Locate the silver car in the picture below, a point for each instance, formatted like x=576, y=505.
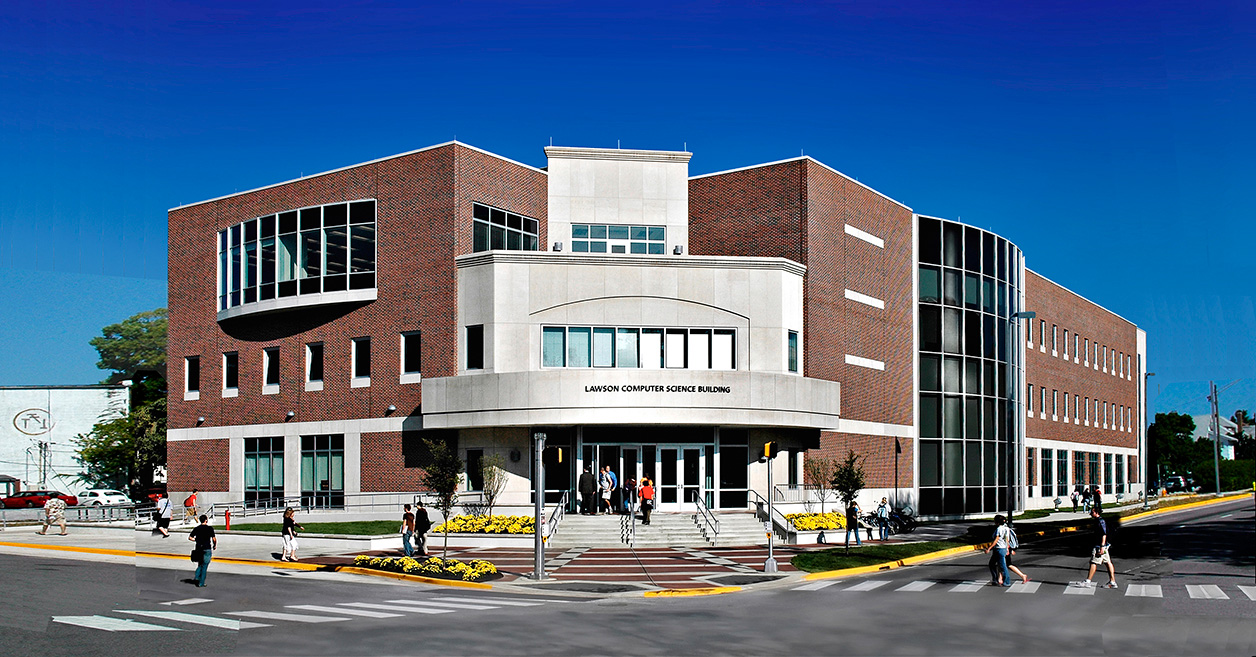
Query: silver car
x=102, y=497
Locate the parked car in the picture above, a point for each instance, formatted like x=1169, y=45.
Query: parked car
x=148, y=495
x=36, y=498
x=102, y=497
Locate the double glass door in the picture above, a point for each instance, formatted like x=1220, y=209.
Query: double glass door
x=678, y=471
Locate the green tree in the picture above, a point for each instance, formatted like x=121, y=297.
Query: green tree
x=848, y=478
x=1171, y=446
x=440, y=475
x=1244, y=444
x=124, y=452
x=136, y=343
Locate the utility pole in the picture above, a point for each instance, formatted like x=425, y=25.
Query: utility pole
x=1213, y=396
x=1142, y=449
x=538, y=484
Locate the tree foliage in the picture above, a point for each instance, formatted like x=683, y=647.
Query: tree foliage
x=848, y=478
x=136, y=343
x=818, y=473
x=124, y=452
x=441, y=476
x=1171, y=446
x=1244, y=442
x=493, y=474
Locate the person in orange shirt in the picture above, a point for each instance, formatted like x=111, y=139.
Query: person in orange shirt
x=646, y=493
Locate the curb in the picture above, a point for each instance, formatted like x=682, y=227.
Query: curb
x=942, y=554
x=71, y=548
x=354, y=570
x=683, y=593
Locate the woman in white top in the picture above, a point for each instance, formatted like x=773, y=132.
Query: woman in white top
x=999, y=576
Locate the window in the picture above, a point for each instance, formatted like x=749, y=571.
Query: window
x=1064, y=349
x=323, y=471
x=610, y=238
x=326, y=248
x=475, y=347
x=314, y=366
x=1086, y=350
x=1107, y=474
x=270, y=371
x=1105, y=358
x=263, y=470
x=1066, y=407
x=361, y=357
x=411, y=357
x=1119, y=470
x=1055, y=334
x=1076, y=342
x=1042, y=333
x=192, y=378
x=793, y=351
x=644, y=348
x=1029, y=401
x=496, y=229
x=230, y=374
x=1061, y=472
x=1048, y=479
x=1042, y=402
x=1031, y=472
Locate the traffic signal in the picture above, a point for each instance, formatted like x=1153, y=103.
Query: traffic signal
x=769, y=450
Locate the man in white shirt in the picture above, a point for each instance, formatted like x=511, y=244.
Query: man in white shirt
x=164, y=512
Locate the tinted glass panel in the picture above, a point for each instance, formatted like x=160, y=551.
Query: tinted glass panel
x=930, y=241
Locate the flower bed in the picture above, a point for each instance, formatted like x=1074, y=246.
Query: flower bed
x=809, y=522
x=476, y=570
x=486, y=525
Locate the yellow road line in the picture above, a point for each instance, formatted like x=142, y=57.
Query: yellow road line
x=682, y=593
x=72, y=548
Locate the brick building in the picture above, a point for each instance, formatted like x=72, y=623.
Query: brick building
x=641, y=318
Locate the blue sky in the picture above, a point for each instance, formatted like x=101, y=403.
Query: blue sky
x=1110, y=142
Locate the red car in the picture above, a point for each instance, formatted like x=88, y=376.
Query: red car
x=36, y=498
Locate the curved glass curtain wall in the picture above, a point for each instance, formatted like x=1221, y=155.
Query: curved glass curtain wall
x=970, y=285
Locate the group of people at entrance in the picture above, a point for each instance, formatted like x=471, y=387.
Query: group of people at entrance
x=604, y=494
x=1005, y=544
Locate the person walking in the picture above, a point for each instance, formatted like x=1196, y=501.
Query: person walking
x=54, y=514
x=883, y=518
x=422, y=523
x=616, y=502
x=1097, y=496
x=999, y=575
x=604, y=484
x=630, y=495
x=164, y=511
x=1100, y=554
x=1086, y=499
x=407, y=531
x=588, y=491
x=290, y=535
x=647, y=499
x=1075, y=499
x=852, y=523
x=189, y=507
x=206, y=543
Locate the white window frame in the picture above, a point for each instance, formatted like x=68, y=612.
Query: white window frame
x=1055, y=340
x=1064, y=349
x=269, y=388
x=1055, y=405
x=356, y=381
x=233, y=391
x=314, y=385
x=1029, y=401
x=1066, y=408
x=191, y=395
x=409, y=377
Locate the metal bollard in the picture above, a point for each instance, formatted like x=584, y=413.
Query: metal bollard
x=228, y=527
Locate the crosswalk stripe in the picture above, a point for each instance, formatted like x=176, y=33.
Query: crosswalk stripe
x=815, y=586
x=188, y=601
x=1144, y=591
x=1079, y=588
x=1249, y=591
x=340, y=610
x=1206, y=592
x=915, y=586
x=868, y=585
x=296, y=618
x=195, y=619
x=451, y=605
x=405, y=608
x=967, y=587
x=1024, y=587
x=496, y=601
x=110, y=624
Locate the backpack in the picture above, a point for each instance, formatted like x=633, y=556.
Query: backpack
x=190, y=501
x=1012, y=542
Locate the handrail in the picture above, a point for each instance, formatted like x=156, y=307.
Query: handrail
x=708, y=519
x=560, y=512
x=778, y=518
x=628, y=528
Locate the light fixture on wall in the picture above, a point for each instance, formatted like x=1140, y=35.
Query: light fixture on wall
x=558, y=246
x=678, y=250
x=200, y=421
x=392, y=409
x=515, y=456
x=291, y=414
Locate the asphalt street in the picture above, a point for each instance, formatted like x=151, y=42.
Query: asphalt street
x=1185, y=580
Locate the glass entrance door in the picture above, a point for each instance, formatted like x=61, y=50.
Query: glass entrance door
x=681, y=471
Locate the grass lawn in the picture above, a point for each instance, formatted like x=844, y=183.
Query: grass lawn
x=837, y=558
x=360, y=528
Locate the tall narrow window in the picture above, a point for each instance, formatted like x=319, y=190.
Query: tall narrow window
x=270, y=371
x=230, y=373
x=1066, y=407
x=793, y=351
x=675, y=348
x=1055, y=332
x=1029, y=400
x=723, y=350
x=1064, y=350
x=553, y=346
x=1042, y=333
x=475, y=347
x=411, y=357
x=652, y=348
x=1055, y=396
x=361, y=358
x=314, y=366
x=192, y=378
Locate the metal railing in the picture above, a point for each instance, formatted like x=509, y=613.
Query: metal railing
x=346, y=502
x=778, y=518
x=555, y=517
x=113, y=513
x=706, y=521
x=628, y=529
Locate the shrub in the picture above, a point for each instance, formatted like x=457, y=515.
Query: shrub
x=487, y=525
x=809, y=522
x=472, y=571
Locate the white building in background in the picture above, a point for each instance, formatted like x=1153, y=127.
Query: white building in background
x=48, y=419
x=1203, y=431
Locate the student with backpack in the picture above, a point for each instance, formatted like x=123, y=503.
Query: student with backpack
x=1003, y=537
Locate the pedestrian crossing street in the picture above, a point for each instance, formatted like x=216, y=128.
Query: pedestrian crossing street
x=147, y=620
x=1194, y=591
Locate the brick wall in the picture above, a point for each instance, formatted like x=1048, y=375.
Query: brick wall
x=1066, y=310
x=383, y=465
x=200, y=464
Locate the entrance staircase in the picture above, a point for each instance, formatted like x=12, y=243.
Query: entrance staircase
x=664, y=530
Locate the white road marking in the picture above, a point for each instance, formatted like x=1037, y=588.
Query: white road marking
x=1206, y=592
x=412, y=610
x=1144, y=591
x=1249, y=591
x=195, y=619
x=1024, y=587
x=1079, y=588
x=868, y=585
x=451, y=605
x=815, y=586
x=967, y=587
x=915, y=586
x=296, y=618
x=495, y=601
x=109, y=624
x=1226, y=515
x=341, y=610
x=188, y=601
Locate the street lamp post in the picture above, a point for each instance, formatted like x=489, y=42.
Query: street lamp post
x=1142, y=450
